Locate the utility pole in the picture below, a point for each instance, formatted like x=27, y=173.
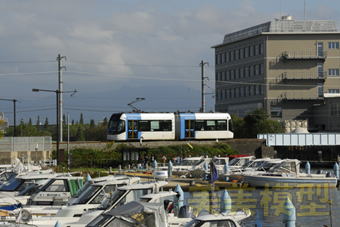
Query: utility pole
x=14, y=117
x=60, y=94
x=202, y=85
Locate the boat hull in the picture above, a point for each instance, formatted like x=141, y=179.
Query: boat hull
x=289, y=182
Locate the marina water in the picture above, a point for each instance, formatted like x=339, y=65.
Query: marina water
x=317, y=206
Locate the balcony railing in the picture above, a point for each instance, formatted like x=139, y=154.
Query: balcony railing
x=304, y=55
x=304, y=76
x=285, y=97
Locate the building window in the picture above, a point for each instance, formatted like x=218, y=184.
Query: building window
x=230, y=93
x=261, y=69
x=320, y=70
x=260, y=89
x=320, y=90
x=234, y=55
x=257, y=69
x=242, y=53
x=256, y=50
x=276, y=112
x=333, y=72
x=246, y=52
x=250, y=71
x=333, y=45
x=260, y=49
x=334, y=91
x=228, y=75
x=320, y=49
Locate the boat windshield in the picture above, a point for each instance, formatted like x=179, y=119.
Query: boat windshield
x=29, y=190
x=256, y=164
x=5, y=176
x=190, y=162
x=100, y=220
x=12, y=185
x=82, y=189
x=266, y=166
x=198, y=223
x=219, y=161
x=234, y=162
x=86, y=195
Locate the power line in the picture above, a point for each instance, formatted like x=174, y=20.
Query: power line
x=26, y=62
x=31, y=110
x=28, y=73
x=138, y=65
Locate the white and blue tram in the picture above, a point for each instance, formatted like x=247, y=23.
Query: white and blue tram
x=169, y=126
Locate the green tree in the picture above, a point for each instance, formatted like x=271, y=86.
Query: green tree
x=80, y=134
x=38, y=121
x=258, y=121
x=238, y=127
x=105, y=122
x=92, y=123
x=46, y=123
x=81, y=120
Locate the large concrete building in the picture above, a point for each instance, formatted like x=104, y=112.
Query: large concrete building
x=284, y=66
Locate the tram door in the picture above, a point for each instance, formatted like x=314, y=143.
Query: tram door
x=189, y=129
x=132, y=129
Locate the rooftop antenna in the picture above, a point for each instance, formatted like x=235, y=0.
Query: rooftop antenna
x=135, y=109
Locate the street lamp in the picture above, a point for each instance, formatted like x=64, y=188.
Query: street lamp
x=14, y=114
x=58, y=122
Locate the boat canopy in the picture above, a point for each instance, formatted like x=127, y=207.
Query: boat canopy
x=133, y=214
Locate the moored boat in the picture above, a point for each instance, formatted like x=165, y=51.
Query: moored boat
x=287, y=175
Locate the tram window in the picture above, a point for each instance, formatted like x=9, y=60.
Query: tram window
x=199, y=125
x=144, y=126
x=165, y=125
x=132, y=125
x=189, y=124
x=211, y=125
x=154, y=126
x=221, y=125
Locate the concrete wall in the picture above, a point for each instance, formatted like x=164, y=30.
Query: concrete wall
x=242, y=146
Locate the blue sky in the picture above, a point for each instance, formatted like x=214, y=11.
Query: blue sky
x=118, y=50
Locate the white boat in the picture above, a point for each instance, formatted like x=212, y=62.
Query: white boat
x=229, y=219
x=190, y=164
x=69, y=217
x=239, y=162
x=90, y=197
x=254, y=167
x=25, y=181
x=287, y=174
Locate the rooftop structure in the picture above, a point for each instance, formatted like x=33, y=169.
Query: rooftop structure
x=284, y=25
